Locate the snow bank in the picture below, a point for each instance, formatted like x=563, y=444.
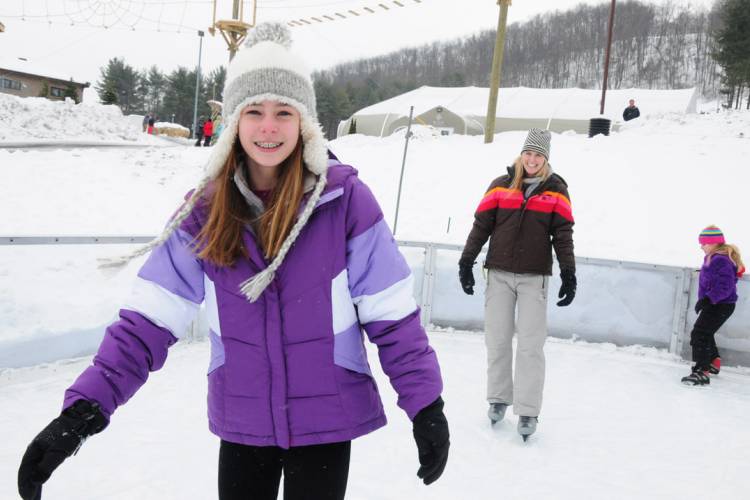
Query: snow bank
x=37, y=118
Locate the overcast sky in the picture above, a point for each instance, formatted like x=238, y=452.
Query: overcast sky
x=66, y=35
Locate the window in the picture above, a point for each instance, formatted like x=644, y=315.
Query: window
x=10, y=84
x=56, y=92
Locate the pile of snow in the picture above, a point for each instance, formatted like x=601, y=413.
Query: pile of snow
x=40, y=119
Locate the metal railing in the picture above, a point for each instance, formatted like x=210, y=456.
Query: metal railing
x=618, y=301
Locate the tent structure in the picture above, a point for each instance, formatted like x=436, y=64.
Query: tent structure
x=462, y=110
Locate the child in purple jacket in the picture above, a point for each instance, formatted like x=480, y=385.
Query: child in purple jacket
x=290, y=255
x=717, y=296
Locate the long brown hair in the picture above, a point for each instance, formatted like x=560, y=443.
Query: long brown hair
x=220, y=239
x=279, y=217
x=518, y=173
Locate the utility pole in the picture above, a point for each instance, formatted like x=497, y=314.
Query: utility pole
x=233, y=30
x=197, y=86
x=606, y=55
x=497, y=64
x=403, y=165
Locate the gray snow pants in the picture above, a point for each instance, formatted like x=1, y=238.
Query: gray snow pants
x=505, y=293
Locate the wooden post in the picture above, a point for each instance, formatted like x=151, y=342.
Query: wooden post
x=606, y=56
x=497, y=63
x=234, y=30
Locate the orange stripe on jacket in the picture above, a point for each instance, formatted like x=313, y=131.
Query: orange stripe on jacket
x=500, y=197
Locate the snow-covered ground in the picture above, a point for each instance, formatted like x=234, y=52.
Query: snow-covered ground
x=616, y=422
x=616, y=425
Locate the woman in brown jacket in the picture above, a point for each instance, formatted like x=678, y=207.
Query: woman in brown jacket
x=524, y=214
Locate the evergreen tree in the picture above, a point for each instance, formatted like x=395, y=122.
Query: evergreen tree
x=155, y=88
x=327, y=113
x=179, y=97
x=215, y=84
x=122, y=79
x=45, y=90
x=107, y=95
x=70, y=91
x=733, y=47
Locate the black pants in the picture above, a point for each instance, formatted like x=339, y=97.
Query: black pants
x=317, y=472
x=702, y=338
x=207, y=140
x=200, y=139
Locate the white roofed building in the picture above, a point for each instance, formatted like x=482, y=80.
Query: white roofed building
x=462, y=110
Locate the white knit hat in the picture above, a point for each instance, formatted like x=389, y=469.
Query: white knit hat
x=265, y=69
x=538, y=140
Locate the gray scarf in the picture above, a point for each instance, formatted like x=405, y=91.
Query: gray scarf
x=531, y=183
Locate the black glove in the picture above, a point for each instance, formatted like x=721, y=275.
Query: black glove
x=568, y=287
x=59, y=440
x=701, y=304
x=466, y=276
x=430, y=429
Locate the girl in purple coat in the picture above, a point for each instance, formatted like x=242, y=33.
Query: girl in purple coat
x=289, y=252
x=717, y=296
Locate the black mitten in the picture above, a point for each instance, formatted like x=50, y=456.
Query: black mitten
x=466, y=276
x=59, y=440
x=430, y=429
x=701, y=304
x=568, y=287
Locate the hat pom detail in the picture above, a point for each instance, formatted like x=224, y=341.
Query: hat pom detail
x=270, y=32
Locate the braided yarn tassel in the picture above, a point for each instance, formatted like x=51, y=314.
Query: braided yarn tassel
x=253, y=287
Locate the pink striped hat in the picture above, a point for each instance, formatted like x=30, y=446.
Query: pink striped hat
x=711, y=235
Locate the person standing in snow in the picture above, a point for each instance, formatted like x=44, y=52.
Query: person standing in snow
x=289, y=252
x=631, y=112
x=208, y=132
x=199, y=131
x=524, y=214
x=717, y=296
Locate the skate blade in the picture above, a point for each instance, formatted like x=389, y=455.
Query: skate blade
x=525, y=437
x=688, y=383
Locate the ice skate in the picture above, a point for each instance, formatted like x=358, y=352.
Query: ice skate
x=496, y=412
x=527, y=426
x=696, y=377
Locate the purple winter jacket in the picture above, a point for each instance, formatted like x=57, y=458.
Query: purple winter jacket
x=718, y=279
x=291, y=368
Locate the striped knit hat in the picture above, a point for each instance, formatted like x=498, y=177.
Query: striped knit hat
x=539, y=141
x=711, y=235
x=265, y=69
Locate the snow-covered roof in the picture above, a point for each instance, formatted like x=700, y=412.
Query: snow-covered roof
x=524, y=102
x=23, y=65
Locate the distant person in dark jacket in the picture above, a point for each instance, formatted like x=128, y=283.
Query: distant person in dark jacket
x=208, y=132
x=631, y=112
x=199, y=131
